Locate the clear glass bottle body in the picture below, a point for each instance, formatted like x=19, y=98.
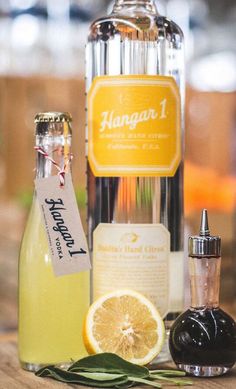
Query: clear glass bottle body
x=203, y=339
x=51, y=309
x=135, y=40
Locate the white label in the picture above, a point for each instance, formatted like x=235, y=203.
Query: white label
x=134, y=256
x=65, y=234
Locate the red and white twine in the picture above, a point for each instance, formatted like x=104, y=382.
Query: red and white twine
x=61, y=171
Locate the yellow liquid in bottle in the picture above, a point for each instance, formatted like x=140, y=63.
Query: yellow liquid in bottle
x=51, y=309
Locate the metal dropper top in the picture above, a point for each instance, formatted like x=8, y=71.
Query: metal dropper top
x=204, y=245
x=204, y=229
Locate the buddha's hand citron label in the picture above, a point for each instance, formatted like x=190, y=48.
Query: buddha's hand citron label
x=134, y=256
x=134, y=126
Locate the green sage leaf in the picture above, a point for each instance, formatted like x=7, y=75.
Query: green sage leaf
x=109, y=363
x=145, y=382
x=174, y=373
x=99, y=380
x=100, y=376
x=173, y=380
x=108, y=370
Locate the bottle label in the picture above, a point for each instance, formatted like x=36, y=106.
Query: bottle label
x=64, y=230
x=134, y=126
x=134, y=256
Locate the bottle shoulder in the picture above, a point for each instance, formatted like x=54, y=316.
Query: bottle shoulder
x=169, y=26
x=148, y=25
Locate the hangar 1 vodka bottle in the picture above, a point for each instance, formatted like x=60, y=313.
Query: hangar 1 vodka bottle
x=135, y=101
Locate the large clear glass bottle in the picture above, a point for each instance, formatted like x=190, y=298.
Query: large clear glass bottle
x=51, y=309
x=135, y=40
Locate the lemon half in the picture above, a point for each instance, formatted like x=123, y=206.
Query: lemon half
x=125, y=323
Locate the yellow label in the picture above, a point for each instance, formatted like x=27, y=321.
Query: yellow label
x=134, y=126
x=134, y=256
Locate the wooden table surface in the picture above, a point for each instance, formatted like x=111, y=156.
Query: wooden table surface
x=13, y=377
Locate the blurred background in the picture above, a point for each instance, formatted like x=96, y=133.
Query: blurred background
x=42, y=68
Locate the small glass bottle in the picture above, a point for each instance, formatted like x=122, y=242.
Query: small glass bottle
x=203, y=339
x=51, y=309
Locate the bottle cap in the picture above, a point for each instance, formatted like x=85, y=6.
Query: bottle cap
x=204, y=245
x=49, y=117
x=53, y=124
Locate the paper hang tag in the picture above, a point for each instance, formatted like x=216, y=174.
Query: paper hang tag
x=61, y=218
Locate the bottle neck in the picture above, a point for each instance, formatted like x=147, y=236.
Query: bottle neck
x=55, y=140
x=148, y=5
x=205, y=282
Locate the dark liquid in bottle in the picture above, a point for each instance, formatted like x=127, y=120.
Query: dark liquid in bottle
x=204, y=338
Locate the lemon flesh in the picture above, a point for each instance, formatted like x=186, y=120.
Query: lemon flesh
x=126, y=323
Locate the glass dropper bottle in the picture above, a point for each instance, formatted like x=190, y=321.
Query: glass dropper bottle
x=203, y=339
